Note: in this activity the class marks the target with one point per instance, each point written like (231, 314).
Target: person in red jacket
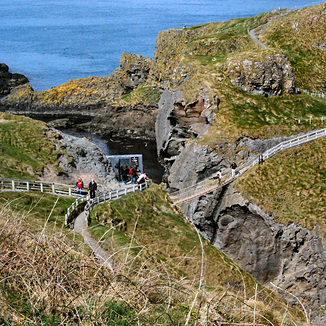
(133, 174)
(79, 186)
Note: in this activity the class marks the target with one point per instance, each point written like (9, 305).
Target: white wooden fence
(211, 184)
(46, 187)
(102, 198)
(68, 191)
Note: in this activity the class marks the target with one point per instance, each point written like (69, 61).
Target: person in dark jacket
(233, 166)
(124, 174)
(92, 188)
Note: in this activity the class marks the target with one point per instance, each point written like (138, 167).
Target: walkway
(255, 39)
(80, 226)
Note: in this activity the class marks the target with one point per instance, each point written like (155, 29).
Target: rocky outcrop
(178, 122)
(269, 75)
(9, 81)
(290, 256)
(84, 160)
(89, 104)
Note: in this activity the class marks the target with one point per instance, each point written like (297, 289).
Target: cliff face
(270, 76)
(290, 256)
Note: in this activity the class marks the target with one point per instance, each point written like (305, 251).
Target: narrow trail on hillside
(80, 227)
(260, 29)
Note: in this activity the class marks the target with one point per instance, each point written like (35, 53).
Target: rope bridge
(209, 185)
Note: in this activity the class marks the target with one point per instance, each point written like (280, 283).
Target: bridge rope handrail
(197, 190)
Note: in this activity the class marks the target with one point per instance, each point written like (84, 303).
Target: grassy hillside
(25, 149)
(196, 57)
(291, 186)
(301, 36)
(156, 246)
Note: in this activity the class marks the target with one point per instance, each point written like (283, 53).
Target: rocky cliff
(291, 257)
(8, 80)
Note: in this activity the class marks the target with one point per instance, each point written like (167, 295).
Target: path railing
(100, 199)
(209, 185)
(46, 187)
(68, 191)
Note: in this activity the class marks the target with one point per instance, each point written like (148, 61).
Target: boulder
(270, 75)
(9, 81)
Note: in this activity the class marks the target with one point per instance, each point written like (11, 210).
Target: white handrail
(104, 197)
(199, 188)
(34, 185)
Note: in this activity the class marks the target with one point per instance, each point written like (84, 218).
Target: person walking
(233, 166)
(92, 189)
(219, 177)
(79, 186)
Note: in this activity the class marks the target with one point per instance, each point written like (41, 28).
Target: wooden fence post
(13, 185)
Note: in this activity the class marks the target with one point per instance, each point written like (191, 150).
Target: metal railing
(68, 191)
(102, 198)
(209, 185)
(311, 93)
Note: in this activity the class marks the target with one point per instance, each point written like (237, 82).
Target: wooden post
(41, 185)
(13, 185)
(69, 191)
(27, 186)
(53, 188)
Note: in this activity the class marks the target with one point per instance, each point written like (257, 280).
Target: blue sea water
(54, 41)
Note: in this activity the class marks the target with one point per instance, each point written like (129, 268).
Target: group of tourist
(92, 187)
(132, 174)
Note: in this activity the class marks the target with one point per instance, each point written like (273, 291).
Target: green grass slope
(301, 36)
(156, 246)
(25, 149)
(196, 58)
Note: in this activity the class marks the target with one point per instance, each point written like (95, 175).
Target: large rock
(269, 75)
(85, 160)
(177, 122)
(9, 81)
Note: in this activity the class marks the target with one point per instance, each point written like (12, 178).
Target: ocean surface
(54, 41)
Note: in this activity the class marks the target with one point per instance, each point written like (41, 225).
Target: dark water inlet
(127, 146)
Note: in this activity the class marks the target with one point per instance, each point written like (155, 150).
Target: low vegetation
(164, 273)
(301, 36)
(178, 272)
